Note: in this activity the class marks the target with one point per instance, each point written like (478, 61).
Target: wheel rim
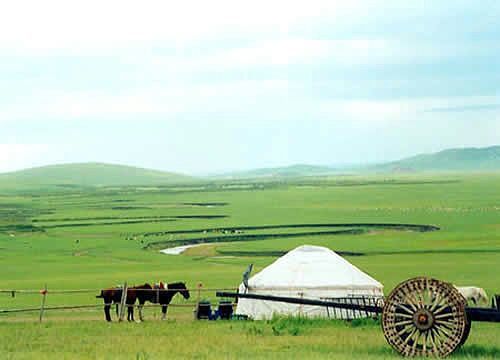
(424, 317)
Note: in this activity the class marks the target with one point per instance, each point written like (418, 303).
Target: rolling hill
(91, 174)
(463, 159)
(101, 174)
(297, 170)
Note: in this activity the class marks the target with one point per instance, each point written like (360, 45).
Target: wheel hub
(423, 319)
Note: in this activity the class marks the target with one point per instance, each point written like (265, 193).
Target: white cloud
(19, 156)
(389, 112)
(273, 99)
(284, 50)
(223, 98)
(274, 52)
(288, 51)
(79, 25)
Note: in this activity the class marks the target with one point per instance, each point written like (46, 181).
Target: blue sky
(203, 87)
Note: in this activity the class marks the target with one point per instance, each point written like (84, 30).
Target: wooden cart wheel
(424, 317)
(468, 324)
(465, 336)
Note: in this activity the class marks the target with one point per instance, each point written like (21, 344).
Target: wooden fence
(45, 292)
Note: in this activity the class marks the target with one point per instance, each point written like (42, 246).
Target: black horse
(161, 295)
(156, 294)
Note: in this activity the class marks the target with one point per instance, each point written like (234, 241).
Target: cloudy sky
(209, 86)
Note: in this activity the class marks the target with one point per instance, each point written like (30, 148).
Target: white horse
(475, 294)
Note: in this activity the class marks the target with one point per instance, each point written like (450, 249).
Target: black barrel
(225, 310)
(203, 310)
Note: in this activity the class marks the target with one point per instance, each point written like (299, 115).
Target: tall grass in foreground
(280, 338)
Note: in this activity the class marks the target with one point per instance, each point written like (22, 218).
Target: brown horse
(161, 295)
(114, 296)
(156, 294)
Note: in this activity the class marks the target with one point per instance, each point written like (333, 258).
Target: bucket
(203, 310)
(225, 310)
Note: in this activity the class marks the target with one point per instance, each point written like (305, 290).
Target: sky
(210, 86)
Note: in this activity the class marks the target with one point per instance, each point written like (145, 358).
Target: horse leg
(130, 310)
(117, 309)
(107, 313)
(164, 312)
(141, 306)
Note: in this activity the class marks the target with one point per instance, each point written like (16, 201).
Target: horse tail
(101, 295)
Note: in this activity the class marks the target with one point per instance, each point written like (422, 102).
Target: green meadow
(85, 237)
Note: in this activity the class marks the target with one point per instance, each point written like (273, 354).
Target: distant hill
(100, 174)
(297, 170)
(464, 159)
(90, 174)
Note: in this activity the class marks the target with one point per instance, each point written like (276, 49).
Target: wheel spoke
(443, 316)
(436, 303)
(443, 331)
(448, 329)
(436, 339)
(410, 336)
(405, 329)
(431, 340)
(417, 300)
(424, 345)
(441, 309)
(415, 341)
(406, 316)
(404, 308)
(441, 335)
(411, 303)
(421, 298)
(449, 324)
(405, 322)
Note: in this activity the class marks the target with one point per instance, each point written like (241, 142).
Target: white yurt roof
(312, 267)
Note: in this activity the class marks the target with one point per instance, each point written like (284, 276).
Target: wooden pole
(301, 306)
(123, 302)
(44, 299)
(304, 301)
(198, 299)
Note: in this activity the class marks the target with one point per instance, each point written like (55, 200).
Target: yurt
(311, 272)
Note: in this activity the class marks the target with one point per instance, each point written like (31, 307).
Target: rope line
(71, 307)
(30, 291)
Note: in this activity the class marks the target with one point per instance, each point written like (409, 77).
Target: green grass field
(96, 237)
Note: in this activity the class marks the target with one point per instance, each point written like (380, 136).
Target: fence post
(123, 302)
(301, 306)
(198, 299)
(199, 286)
(44, 299)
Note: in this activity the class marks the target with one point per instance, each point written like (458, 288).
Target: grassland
(94, 237)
